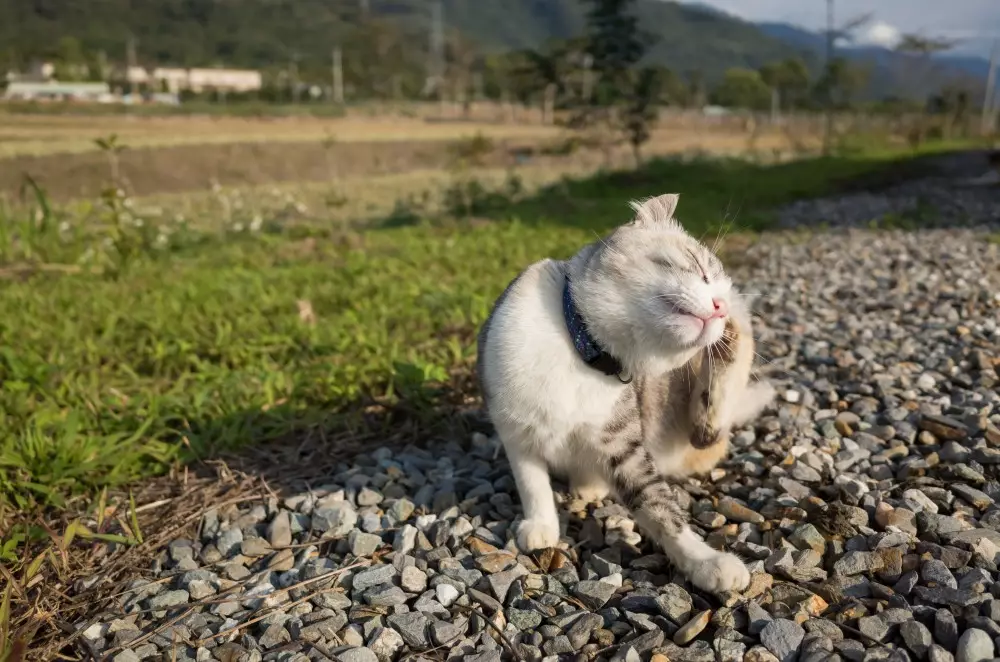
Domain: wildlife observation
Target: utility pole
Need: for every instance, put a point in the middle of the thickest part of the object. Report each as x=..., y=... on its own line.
x=588, y=77
x=830, y=44
x=338, y=77
x=988, y=97
x=130, y=62
x=436, y=78
x=293, y=71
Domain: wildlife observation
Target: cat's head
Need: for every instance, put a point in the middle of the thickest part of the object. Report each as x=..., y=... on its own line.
x=653, y=294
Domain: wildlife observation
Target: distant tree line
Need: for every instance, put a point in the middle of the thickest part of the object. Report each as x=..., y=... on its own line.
x=605, y=78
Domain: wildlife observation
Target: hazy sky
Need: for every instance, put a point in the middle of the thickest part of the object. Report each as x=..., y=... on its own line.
x=976, y=22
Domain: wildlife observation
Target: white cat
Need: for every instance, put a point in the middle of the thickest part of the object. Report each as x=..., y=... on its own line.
x=624, y=366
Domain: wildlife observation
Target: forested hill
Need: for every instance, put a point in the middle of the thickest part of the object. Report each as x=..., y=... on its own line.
x=271, y=33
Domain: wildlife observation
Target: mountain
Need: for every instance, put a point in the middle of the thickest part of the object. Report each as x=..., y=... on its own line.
x=891, y=72
x=270, y=33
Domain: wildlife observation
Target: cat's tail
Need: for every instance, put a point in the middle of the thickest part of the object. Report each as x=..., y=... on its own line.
x=756, y=397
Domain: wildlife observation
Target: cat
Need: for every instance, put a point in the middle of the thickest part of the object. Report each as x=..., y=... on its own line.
x=621, y=368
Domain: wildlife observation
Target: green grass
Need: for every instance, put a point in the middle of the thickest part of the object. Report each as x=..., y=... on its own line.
x=156, y=352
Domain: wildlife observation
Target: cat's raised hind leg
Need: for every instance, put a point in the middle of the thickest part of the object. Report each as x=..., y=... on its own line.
x=638, y=482
x=722, y=395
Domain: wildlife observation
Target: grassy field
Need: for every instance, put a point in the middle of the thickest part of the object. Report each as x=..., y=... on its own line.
x=158, y=155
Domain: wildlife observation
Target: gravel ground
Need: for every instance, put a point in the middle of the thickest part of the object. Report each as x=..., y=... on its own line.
x=864, y=502
x=946, y=199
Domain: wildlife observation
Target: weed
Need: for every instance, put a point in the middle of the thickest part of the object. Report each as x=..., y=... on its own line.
x=471, y=151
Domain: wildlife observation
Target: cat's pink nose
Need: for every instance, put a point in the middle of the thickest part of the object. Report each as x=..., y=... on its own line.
x=721, y=308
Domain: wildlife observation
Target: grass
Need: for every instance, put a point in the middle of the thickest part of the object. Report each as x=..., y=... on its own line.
x=174, y=343
x=130, y=343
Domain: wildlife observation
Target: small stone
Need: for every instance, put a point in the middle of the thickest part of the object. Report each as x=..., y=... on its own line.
x=675, y=603
x=760, y=654
x=758, y=618
x=412, y=627
x=692, y=628
x=737, y=512
x=402, y=509
x=359, y=654
x=385, y=595
x=405, y=540
x=874, y=627
x=363, y=544
x=254, y=547
x=385, y=643
x=938, y=654
x=935, y=573
x=335, y=520
x=783, y=638
x=593, y=594
x=228, y=541
x=413, y=579
x=446, y=594
x=168, y=599
x=808, y=536
x=279, y=531
x=524, y=619
x=917, y=638
x=282, y=561
x=273, y=636
x=944, y=428
x=373, y=576
x=974, y=646
x=945, y=629
x=495, y=562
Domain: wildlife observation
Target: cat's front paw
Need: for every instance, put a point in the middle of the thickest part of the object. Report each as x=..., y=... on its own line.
x=535, y=534
x=720, y=573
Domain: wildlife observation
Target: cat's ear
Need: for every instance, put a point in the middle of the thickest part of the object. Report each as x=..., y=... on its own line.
x=658, y=209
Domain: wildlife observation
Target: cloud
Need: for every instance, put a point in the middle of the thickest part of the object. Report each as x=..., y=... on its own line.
x=975, y=22
x=878, y=33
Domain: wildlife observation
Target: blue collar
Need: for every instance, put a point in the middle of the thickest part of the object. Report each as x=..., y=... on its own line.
x=585, y=345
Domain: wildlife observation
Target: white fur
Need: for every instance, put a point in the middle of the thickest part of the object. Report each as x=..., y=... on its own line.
x=548, y=406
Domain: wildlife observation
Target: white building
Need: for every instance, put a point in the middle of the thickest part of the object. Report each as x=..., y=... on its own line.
x=55, y=91
x=232, y=80
x=176, y=79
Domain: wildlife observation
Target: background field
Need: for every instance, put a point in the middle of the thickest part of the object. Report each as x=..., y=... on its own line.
x=177, y=154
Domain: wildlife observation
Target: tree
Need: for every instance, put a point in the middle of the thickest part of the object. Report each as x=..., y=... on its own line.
x=71, y=64
x=788, y=80
x=696, y=87
x=639, y=114
x=615, y=46
x=842, y=82
x=742, y=88
x=622, y=100
x=920, y=51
